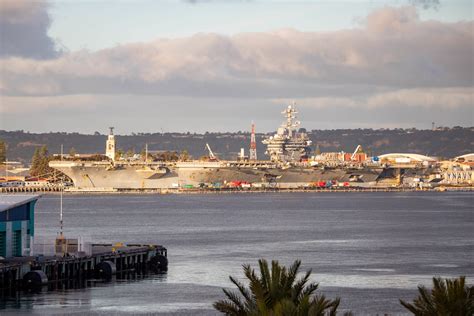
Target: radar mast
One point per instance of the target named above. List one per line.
(287, 145)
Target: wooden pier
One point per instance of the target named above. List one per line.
(22, 189)
(105, 261)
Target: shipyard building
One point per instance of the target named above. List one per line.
(16, 225)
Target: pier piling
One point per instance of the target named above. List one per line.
(105, 261)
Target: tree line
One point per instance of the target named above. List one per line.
(444, 143)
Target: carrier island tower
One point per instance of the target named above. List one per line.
(288, 165)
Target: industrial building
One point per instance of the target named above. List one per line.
(16, 224)
(406, 158)
(468, 158)
(459, 171)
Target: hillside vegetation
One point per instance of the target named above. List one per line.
(442, 143)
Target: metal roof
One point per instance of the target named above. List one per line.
(468, 157)
(416, 157)
(8, 201)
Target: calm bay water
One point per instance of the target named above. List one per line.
(368, 248)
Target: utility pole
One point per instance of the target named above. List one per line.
(61, 188)
(146, 152)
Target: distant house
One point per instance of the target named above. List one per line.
(16, 224)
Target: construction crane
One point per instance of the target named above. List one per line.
(359, 147)
(253, 144)
(211, 154)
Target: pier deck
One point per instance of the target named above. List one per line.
(105, 261)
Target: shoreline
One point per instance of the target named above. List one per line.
(55, 191)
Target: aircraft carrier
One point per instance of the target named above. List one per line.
(289, 166)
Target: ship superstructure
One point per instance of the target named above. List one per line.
(287, 145)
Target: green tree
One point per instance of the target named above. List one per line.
(35, 162)
(276, 292)
(40, 163)
(44, 160)
(448, 297)
(3, 151)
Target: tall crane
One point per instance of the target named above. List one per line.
(211, 154)
(359, 147)
(253, 144)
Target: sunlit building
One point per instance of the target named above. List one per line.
(16, 224)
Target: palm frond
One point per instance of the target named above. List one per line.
(228, 308)
(242, 289)
(235, 299)
(275, 291)
(447, 297)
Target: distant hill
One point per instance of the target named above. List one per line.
(444, 142)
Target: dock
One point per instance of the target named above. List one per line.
(104, 262)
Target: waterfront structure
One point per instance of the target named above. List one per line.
(289, 166)
(406, 158)
(467, 158)
(338, 158)
(460, 171)
(12, 169)
(16, 224)
(110, 145)
(20, 269)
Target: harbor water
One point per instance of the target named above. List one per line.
(370, 249)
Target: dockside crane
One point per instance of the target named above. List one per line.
(359, 147)
(212, 157)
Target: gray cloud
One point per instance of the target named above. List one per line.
(24, 28)
(426, 4)
(391, 70)
(214, 1)
(152, 113)
(392, 50)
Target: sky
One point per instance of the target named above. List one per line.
(218, 65)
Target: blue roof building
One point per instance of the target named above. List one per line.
(17, 224)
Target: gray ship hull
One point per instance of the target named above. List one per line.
(122, 176)
(291, 177)
(160, 176)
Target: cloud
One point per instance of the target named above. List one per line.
(426, 4)
(214, 1)
(429, 98)
(392, 50)
(392, 60)
(152, 113)
(391, 70)
(24, 28)
(20, 105)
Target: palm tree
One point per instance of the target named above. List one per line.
(448, 297)
(276, 292)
